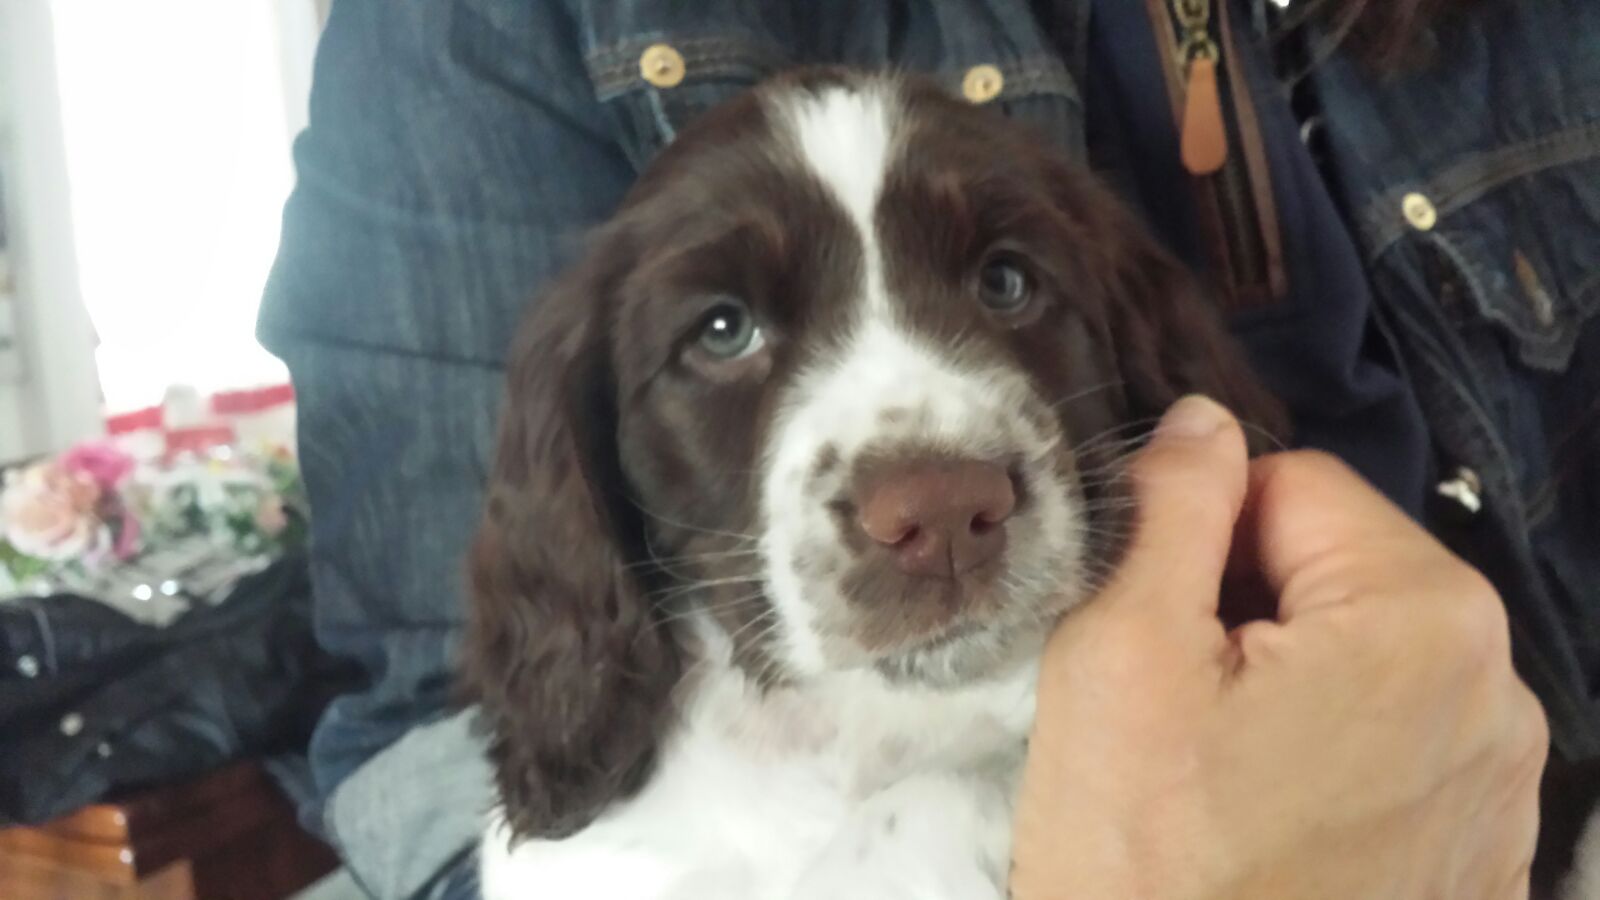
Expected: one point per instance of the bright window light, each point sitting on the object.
(174, 115)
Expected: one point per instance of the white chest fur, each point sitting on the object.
(848, 788)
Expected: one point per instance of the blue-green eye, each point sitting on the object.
(1004, 286)
(729, 331)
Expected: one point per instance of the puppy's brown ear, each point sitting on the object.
(1169, 338)
(562, 651)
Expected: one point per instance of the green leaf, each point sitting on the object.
(22, 568)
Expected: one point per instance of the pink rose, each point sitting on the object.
(103, 461)
(48, 512)
(270, 517)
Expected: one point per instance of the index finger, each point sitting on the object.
(1306, 510)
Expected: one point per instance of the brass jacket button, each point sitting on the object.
(661, 65)
(1419, 211)
(983, 83)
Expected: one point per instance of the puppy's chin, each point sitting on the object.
(963, 657)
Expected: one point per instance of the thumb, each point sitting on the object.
(1189, 485)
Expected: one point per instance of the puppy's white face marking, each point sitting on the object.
(846, 139)
(883, 388)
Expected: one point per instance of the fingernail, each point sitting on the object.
(1194, 416)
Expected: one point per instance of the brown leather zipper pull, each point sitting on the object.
(1204, 141)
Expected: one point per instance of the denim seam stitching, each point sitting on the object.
(1534, 341)
(620, 62)
(1461, 184)
(615, 70)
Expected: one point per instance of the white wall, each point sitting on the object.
(12, 424)
(178, 151)
(57, 401)
(58, 398)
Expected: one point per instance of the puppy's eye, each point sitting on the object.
(1003, 286)
(729, 332)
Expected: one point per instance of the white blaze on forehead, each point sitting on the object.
(846, 139)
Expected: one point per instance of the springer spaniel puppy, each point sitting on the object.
(798, 468)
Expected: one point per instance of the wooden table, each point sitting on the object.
(230, 835)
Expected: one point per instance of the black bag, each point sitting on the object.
(93, 702)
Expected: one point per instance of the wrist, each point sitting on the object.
(1090, 857)
(1162, 848)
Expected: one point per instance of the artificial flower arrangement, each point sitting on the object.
(74, 521)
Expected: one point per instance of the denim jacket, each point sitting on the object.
(1422, 303)
(1473, 188)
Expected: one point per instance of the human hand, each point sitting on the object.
(1371, 741)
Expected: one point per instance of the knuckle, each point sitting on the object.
(1307, 476)
(1358, 623)
(1472, 634)
(1472, 586)
(1473, 622)
(1373, 636)
(1531, 729)
(1307, 467)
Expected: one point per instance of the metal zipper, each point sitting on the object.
(1217, 151)
(1246, 249)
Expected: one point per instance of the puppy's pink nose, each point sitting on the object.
(939, 518)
